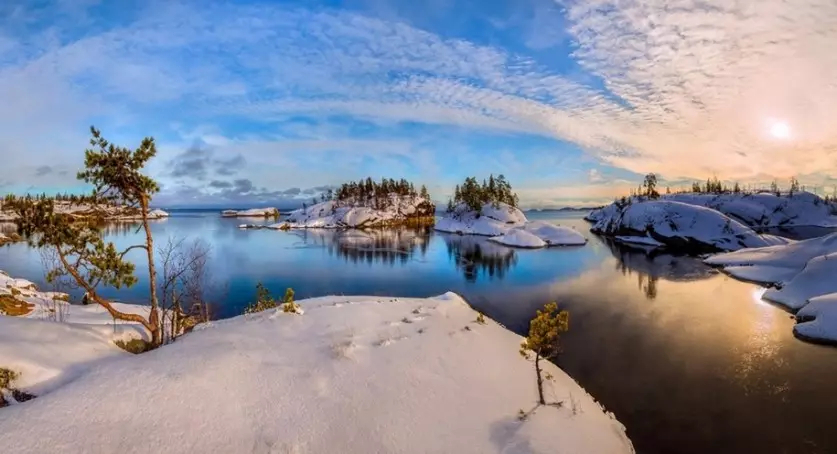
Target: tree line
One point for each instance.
(474, 195)
(10, 200)
(648, 189)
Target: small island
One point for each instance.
(365, 204)
(251, 213)
(490, 209)
(78, 207)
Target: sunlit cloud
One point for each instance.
(687, 89)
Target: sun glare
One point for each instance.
(780, 130)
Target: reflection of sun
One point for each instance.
(780, 130)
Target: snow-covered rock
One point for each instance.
(817, 321)
(508, 226)
(555, 235)
(801, 273)
(519, 237)
(343, 214)
(681, 226)
(490, 221)
(353, 375)
(774, 264)
(763, 209)
(251, 213)
(537, 234)
(157, 214)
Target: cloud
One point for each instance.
(594, 176)
(220, 184)
(199, 162)
(238, 193)
(682, 88)
(43, 170)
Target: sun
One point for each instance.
(780, 130)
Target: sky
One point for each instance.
(272, 102)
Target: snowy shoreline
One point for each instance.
(800, 277)
(354, 374)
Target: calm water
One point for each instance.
(688, 359)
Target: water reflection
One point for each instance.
(391, 246)
(476, 256)
(651, 265)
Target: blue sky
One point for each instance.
(271, 101)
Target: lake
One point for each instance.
(690, 360)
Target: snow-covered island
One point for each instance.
(365, 204)
(491, 210)
(251, 213)
(710, 222)
(508, 226)
(802, 276)
(83, 210)
(354, 374)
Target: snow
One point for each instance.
(80, 210)
(681, 225)
(818, 320)
(519, 237)
(251, 213)
(755, 210)
(508, 226)
(157, 214)
(555, 235)
(819, 277)
(489, 222)
(537, 234)
(775, 264)
(335, 214)
(803, 272)
(354, 375)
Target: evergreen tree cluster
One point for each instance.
(379, 195)
(11, 200)
(494, 191)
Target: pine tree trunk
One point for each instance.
(154, 317)
(540, 379)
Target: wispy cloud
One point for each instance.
(684, 88)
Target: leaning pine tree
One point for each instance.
(543, 340)
(116, 174)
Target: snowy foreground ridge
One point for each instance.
(804, 276)
(508, 225)
(352, 375)
(677, 225)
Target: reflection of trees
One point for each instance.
(389, 246)
(119, 228)
(476, 255)
(651, 265)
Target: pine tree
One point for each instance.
(116, 174)
(543, 340)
